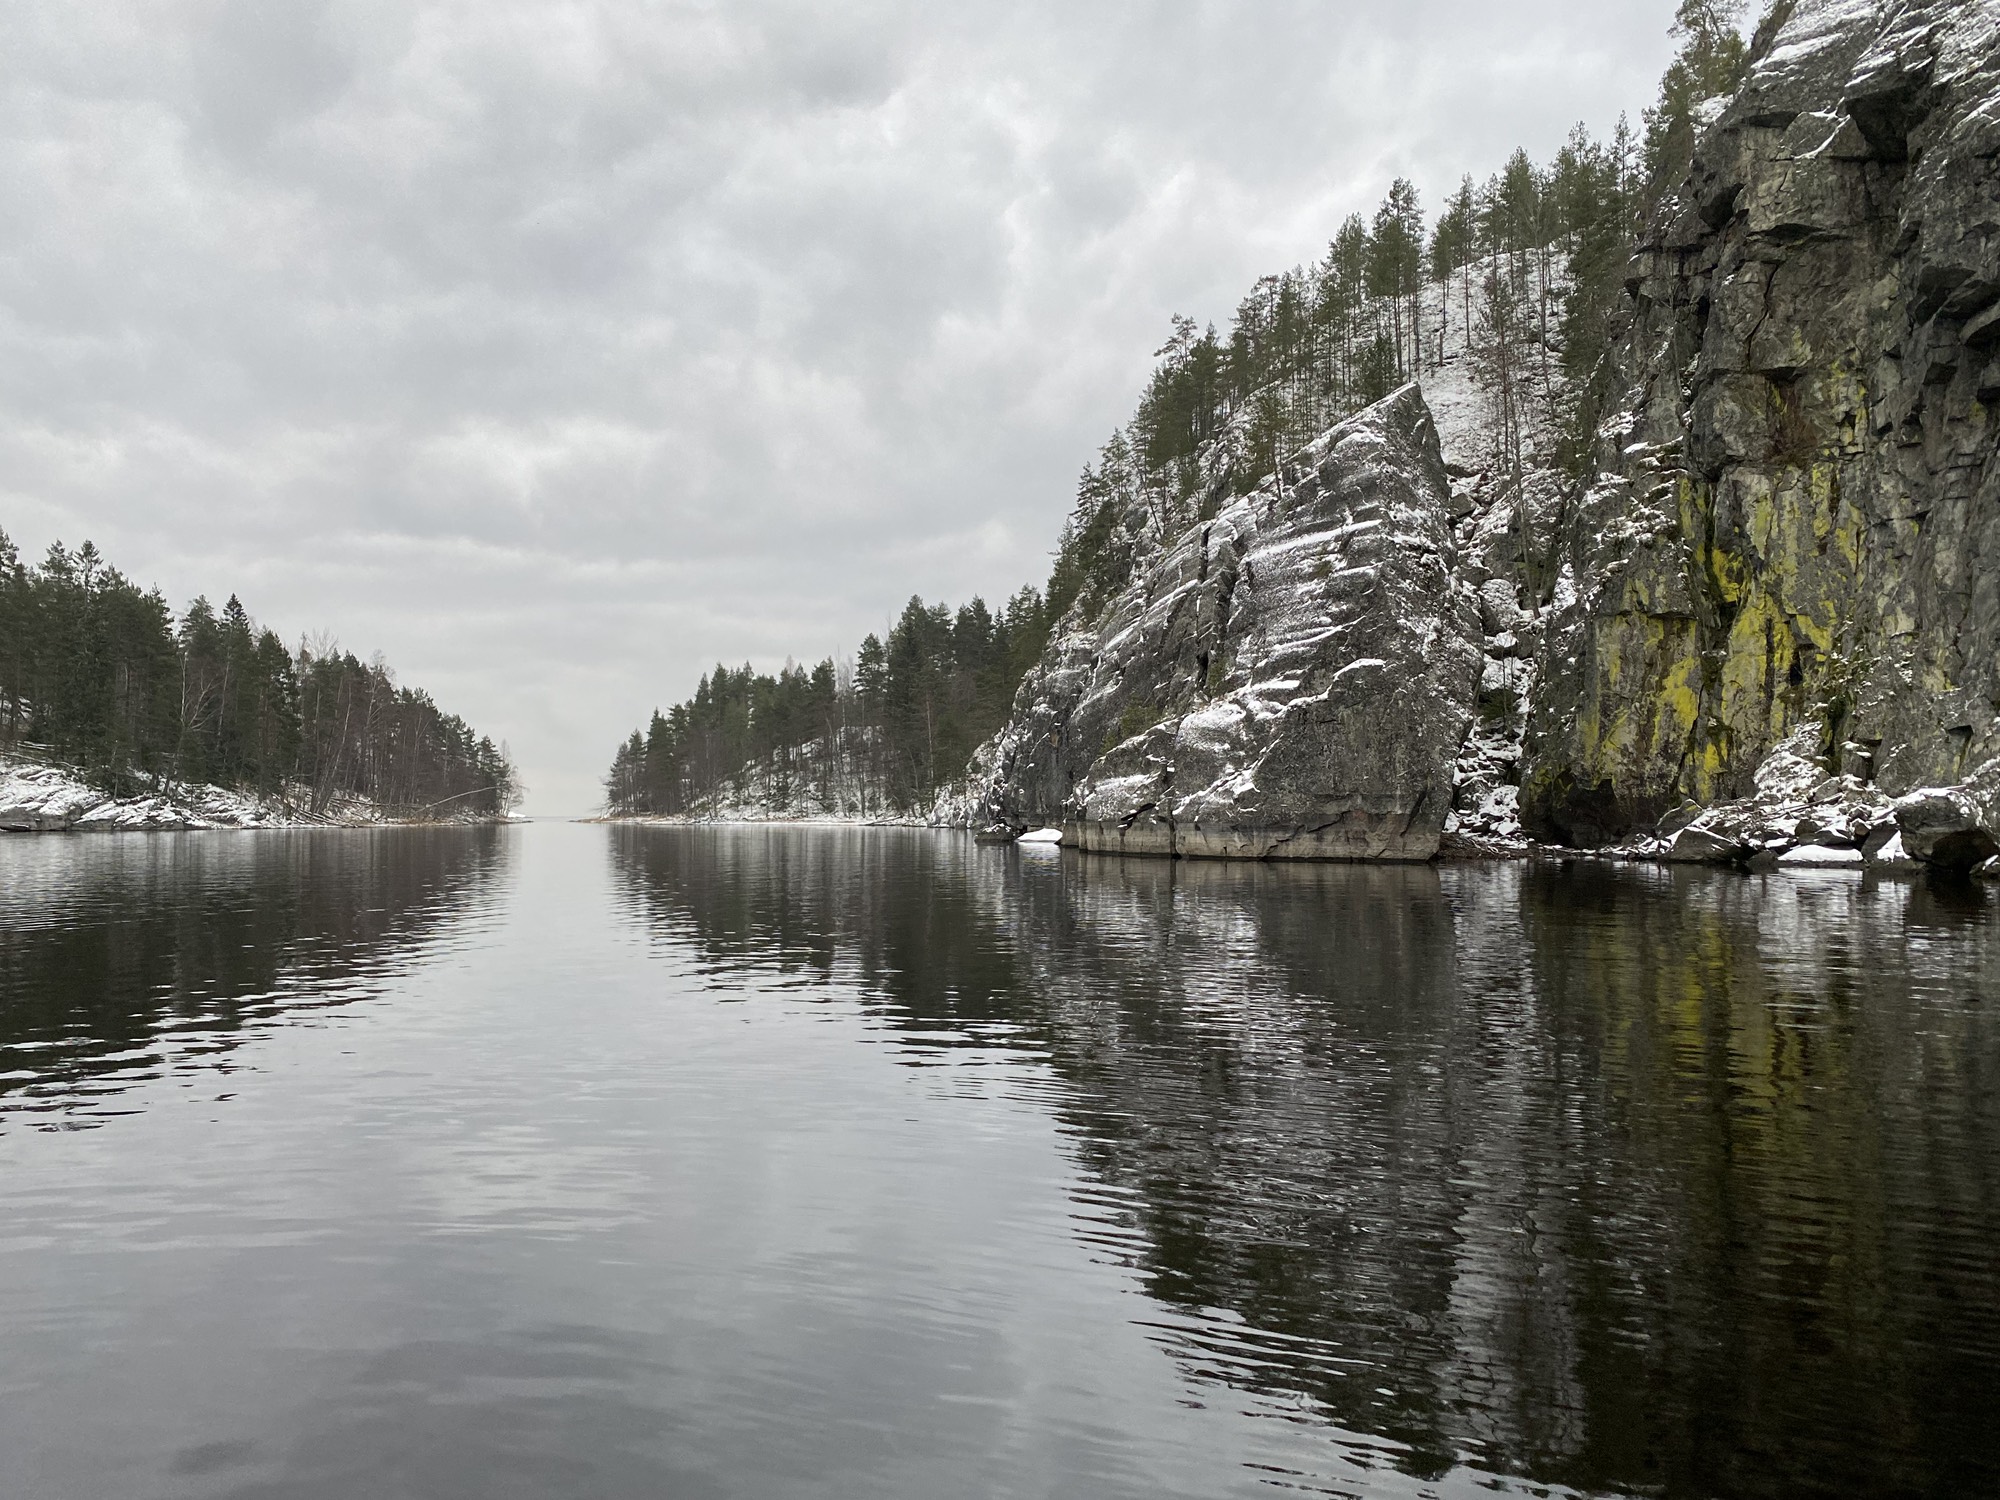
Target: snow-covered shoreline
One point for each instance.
(43, 797)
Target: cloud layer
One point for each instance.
(559, 349)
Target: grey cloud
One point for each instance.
(560, 349)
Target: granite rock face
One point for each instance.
(1798, 520)
(1292, 679)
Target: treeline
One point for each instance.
(97, 673)
(1519, 271)
(880, 735)
(1522, 275)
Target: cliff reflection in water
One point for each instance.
(1616, 1177)
(121, 955)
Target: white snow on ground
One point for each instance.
(38, 797)
(1461, 401)
(41, 797)
(1460, 409)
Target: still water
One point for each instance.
(585, 1162)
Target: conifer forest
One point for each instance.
(97, 673)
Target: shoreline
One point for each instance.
(1459, 850)
(44, 797)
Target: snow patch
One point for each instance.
(39, 796)
(1817, 857)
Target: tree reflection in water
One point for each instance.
(1616, 1177)
(122, 955)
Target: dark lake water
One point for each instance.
(586, 1162)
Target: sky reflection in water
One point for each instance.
(565, 1161)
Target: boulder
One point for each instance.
(1292, 679)
(1729, 834)
(1953, 827)
(1884, 851)
(37, 798)
(23, 818)
(1702, 845)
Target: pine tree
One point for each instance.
(1452, 253)
(1395, 270)
(1710, 64)
(14, 625)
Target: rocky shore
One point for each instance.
(41, 797)
(1766, 633)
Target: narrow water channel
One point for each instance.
(575, 1161)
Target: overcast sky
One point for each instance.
(558, 349)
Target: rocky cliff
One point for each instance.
(1798, 524)
(1768, 629)
(1292, 678)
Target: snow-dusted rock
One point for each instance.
(1290, 680)
(38, 797)
(1710, 840)
(1041, 836)
(41, 799)
(1955, 827)
(1797, 808)
(1888, 853)
(1771, 612)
